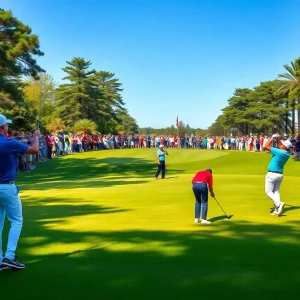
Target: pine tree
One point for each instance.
(109, 99)
(75, 99)
(17, 48)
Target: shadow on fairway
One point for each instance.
(286, 209)
(69, 258)
(141, 264)
(290, 208)
(76, 172)
(218, 218)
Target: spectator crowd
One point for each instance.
(54, 145)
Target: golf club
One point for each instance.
(228, 217)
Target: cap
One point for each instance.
(4, 121)
(161, 146)
(287, 144)
(209, 170)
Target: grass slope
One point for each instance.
(97, 225)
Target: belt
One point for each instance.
(200, 182)
(275, 172)
(7, 182)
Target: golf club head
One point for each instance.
(229, 217)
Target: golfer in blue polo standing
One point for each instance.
(10, 202)
(161, 161)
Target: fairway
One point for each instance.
(97, 225)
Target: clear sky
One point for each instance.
(176, 56)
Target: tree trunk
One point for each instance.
(286, 119)
(293, 117)
(298, 123)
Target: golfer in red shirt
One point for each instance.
(202, 182)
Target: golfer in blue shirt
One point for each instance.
(10, 202)
(161, 160)
(274, 177)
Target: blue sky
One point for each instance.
(173, 57)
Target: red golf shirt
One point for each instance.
(205, 177)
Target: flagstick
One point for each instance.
(178, 139)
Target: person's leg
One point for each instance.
(13, 208)
(163, 169)
(2, 218)
(277, 184)
(158, 170)
(272, 185)
(204, 202)
(197, 194)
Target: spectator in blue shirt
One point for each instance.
(10, 202)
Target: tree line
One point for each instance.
(265, 109)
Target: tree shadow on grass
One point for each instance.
(232, 260)
(68, 257)
(75, 172)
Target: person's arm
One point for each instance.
(279, 143)
(210, 186)
(269, 143)
(34, 148)
(211, 190)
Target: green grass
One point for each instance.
(97, 225)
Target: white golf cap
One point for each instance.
(161, 146)
(4, 121)
(287, 144)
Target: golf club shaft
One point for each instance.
(221, 207)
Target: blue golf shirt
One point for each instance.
(279, 159)
(161, 155)
(9, 148)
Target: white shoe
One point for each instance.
(196, 220)
(280, 208)
(205, 222)
(274, 212)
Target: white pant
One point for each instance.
(272, 185)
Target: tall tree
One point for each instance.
(109, 98)
(217, 128)
(74, 100)
(17, 49)
(126, 124)
(39, 93)
(234, 115)
(290, 85)
(266, 111)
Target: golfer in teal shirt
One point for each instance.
(161, 160)
(274, 176)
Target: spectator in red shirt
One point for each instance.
(202, 182)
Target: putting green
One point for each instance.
(98, 225)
